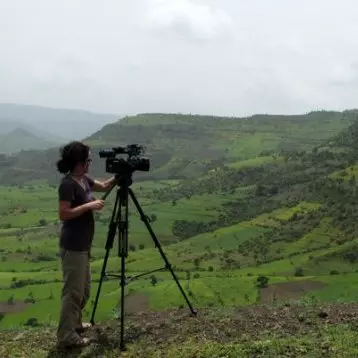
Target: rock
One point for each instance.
(322, 314)
(19, 336)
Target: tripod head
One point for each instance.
(122, 181)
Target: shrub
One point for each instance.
(11, 300)
(153, 280)
(32, 322)
(262, 281)
(42, 222)
(298, 272)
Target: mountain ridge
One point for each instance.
(20, 139)
(65, 123)
(184, 146)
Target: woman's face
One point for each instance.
(88, 162)
(83, 168)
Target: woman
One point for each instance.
(76, 206)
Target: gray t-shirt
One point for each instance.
(77, 234)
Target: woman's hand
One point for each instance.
(97, 204)
(67, 213)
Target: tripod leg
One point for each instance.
(109, 245)
(103, 274)
(157, 245)
(123, 253)
(123, 282)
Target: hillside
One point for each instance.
(19, 139)
(254, 216)
(185, 146)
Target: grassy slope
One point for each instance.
(220, 287)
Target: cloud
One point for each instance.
(186, 18)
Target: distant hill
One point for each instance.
(7, 126)
(20, 139)
(187, 146)
(63, 124)
(184, 146)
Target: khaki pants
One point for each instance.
(75, 293)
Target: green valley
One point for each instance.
(250, 211)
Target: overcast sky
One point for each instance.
(224, 57)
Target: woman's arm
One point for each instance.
(103, 185)
(66, 196)
(66, 212)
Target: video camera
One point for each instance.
(134, 162)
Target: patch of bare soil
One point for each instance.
(16, 307)
(136, 302)
(288, 290)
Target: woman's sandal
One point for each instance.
(84, 327)
(78, 343)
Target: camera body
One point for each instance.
(133, 163)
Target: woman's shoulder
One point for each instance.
(66, 188)
(90, 180)
(67, 182)
(66, 179)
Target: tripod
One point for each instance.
(121, 204)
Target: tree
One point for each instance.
(30, 298)
(298, 271)
(352, 180)
(42, 222)
(11, 300)
(32, 322)
(51, 297)
(262, 281)
(153, 280)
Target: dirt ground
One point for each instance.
(163, 329)
(288, 290)
(18, 306)
(136, 302)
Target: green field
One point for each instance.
(29, 255)
(259, 213)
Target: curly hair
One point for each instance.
(72, 154)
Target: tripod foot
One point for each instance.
(122, 347)
(194, 313)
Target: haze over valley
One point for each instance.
(24, 127)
